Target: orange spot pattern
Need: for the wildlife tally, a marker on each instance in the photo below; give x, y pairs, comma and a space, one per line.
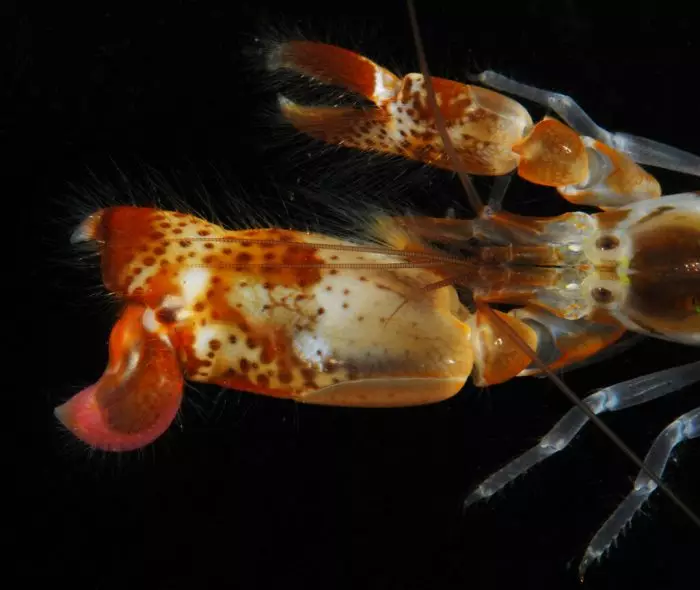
145, 253
483, 125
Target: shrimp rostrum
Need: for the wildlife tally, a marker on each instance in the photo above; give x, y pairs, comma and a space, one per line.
396, 320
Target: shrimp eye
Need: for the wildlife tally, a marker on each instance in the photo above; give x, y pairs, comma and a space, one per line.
602, 295
607, 243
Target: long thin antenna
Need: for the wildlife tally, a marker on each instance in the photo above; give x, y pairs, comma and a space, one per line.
464, 178
504, 327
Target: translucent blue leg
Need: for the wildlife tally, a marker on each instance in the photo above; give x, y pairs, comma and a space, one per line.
641, 150
616, 397
681, 429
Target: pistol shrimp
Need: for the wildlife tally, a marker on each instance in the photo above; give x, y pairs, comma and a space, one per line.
279, 312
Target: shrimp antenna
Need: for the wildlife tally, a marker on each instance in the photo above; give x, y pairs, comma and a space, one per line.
455, 160
503, 326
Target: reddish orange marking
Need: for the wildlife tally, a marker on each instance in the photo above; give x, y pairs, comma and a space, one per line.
122, 231
334, 65
288, 274
159, 286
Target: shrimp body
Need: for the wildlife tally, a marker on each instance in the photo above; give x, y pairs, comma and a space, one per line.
320, 320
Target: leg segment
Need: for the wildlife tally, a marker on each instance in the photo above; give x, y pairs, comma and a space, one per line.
641, 150
683, 428
600, 168
616, 397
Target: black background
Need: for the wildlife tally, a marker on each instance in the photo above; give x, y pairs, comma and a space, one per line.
250, 492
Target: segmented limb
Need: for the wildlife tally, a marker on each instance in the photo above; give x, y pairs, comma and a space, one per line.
641, 150
474, 130
683, 428
616, 397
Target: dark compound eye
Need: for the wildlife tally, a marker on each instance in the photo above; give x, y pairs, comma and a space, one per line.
607, 243
602, 295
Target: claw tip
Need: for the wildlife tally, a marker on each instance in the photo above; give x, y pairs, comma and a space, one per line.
88, 230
